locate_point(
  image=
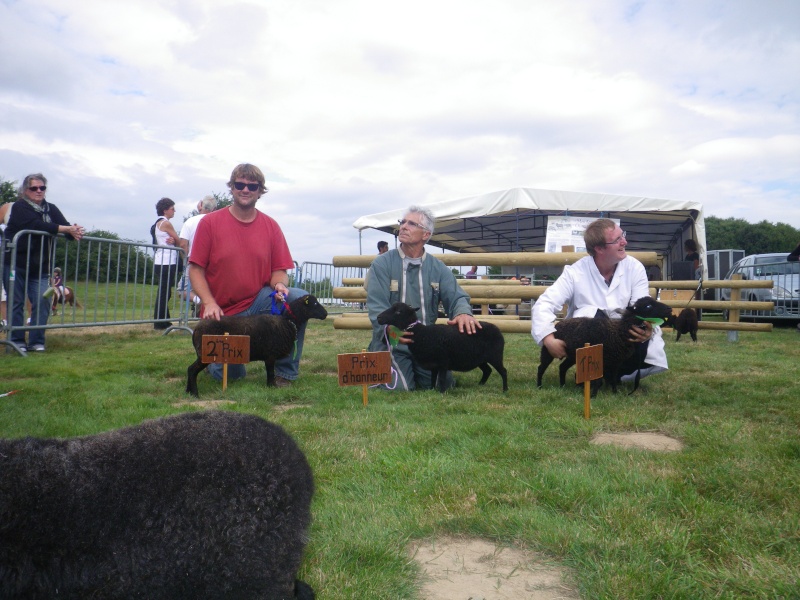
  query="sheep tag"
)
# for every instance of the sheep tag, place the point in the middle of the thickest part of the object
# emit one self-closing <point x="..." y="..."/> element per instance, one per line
<point x="229" y="349"/>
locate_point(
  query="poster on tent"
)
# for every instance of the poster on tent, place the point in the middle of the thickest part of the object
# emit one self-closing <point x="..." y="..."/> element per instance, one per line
<point x="567" y="231"/>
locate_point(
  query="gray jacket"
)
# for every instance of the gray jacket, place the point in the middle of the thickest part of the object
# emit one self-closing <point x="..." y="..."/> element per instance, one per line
<point x="422" y="286"/>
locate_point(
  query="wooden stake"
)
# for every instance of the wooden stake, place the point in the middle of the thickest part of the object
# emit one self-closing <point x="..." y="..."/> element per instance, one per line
<point x="587" y="395"/>
<point x="225" y="373"/>
<point x="364" y="388"/>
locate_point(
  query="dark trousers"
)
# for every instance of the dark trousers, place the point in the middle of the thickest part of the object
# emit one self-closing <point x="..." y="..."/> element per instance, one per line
<point x="166" y="276"/>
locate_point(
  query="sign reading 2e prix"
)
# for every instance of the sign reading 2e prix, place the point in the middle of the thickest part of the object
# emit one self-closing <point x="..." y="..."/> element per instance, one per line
<point x="230" y="349"/>
<point x="365" y="368"/>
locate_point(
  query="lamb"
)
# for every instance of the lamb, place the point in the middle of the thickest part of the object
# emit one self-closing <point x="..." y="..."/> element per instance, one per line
<point x="443" y="348"/>
<point x="686" y="322"/>
<point x="199" y="505"/>
<point x="271" y="336"/>
<point x="613" y="334"/>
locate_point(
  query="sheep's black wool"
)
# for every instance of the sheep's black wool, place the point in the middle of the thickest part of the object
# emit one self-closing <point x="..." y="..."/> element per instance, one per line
<point x="686" y="322"/>
<point x="271" y="336"/>
<point x="442" y="348"/>
<point x="200" y="505"/>
<point x="612" y="333"/>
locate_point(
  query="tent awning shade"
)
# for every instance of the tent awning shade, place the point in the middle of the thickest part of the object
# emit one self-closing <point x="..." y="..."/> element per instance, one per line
<point x="516" y="220"/>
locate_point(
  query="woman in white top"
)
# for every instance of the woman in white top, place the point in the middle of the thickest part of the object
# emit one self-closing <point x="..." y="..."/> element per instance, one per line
<point x="167" y="259"/>
<point x="5" y="209"/>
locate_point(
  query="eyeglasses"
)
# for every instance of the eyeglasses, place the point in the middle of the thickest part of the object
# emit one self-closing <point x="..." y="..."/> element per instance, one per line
<point x="617" y="240"/>
<point x="253" y="187"/>
<point x="412" y="224"/>
<point x="39" y="188"/>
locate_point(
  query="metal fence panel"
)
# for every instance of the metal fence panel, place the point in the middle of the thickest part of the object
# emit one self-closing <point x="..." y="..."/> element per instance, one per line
<point x="113" y="282"/>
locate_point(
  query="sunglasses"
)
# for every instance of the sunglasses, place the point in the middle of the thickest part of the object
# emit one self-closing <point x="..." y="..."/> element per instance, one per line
<point x="413" y="224"/>
<point x="35" y="188"/>
<point x="253" y="187"/>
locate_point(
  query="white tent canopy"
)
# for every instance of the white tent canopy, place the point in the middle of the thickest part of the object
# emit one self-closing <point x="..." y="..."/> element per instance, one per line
<point x="515" y="220"/>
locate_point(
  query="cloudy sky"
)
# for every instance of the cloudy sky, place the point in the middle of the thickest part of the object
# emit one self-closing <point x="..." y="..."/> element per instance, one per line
<point x="352" y="107"/>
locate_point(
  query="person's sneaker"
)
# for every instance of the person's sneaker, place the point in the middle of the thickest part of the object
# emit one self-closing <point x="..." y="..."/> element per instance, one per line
<point x="282" y="382"/>
<point x="37" y="348"/>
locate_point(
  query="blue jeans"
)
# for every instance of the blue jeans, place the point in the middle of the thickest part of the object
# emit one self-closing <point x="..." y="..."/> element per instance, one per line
<point x="289" y="367"/>
<point x="33" y="286"/>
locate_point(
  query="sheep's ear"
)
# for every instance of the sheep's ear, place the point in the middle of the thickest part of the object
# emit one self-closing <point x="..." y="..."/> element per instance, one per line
<point x="415" y="309"/>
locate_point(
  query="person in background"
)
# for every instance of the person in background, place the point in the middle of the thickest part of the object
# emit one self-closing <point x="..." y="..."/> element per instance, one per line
<point x="4" y="214"/>
<point x="794" y="256"/>
<point x="238" y="265"/>
<point x="383" y="247"/>
<point x="408" y="274"/>
<point x="472" y="273"/>
<point x="166" y="260"/>
<point x="205" y="206"/>
<point x="57" y="287"/>
<point x="608" y="280"/>
<point x="693" y="256"/>
<point x="32" y="272"/>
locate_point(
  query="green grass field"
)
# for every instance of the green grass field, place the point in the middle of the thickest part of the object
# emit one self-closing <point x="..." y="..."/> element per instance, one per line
<point x="719" y="519"/>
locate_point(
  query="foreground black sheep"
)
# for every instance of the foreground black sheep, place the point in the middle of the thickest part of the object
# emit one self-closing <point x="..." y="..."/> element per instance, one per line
<point x="271" y="336"/>
<point x="199" y="505"/>
<point x="612" y="333"/>
<point x="686" y="322"/>
<point x="443" y="348"/>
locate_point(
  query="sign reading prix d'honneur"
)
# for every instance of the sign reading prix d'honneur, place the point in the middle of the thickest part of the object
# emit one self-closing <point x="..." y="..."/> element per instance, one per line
<point x="567" y="231"/>
<point x="365" y="368"/>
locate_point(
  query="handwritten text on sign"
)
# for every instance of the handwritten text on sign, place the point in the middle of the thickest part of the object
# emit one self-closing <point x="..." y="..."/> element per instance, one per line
<point x="588" y="363"/>
<point x="365" y="368"/>
<point x="231" y="349"/>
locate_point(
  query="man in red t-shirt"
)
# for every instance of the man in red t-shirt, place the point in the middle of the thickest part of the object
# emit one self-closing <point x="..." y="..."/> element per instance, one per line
<point x="239" y="257"/>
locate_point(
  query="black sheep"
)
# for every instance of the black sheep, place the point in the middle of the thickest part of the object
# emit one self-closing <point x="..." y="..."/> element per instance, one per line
<point x="199" y="505"/>
<point x="442" y="348"/>
<point x="612" y="333"/>
<point x="271" y="336"/>
<point x="686" y="322"/>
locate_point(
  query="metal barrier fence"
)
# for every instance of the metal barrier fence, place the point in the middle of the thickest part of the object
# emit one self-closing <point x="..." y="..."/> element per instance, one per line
<point x="115" y="282"/>
<point x="112" y="282"/>
<point x="320" y="279"/>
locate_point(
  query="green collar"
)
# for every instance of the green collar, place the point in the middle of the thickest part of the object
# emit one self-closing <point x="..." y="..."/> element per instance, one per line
<point x="653" y="320"/>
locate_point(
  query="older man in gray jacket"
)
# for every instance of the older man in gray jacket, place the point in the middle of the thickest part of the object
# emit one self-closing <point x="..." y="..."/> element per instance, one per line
<point x="410" y="275"/>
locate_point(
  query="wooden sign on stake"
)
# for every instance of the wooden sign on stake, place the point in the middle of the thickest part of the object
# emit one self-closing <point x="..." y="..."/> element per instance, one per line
<point x="588" y="366"/>
<point x="225" y="349"/>
<point x="365" y="369"/>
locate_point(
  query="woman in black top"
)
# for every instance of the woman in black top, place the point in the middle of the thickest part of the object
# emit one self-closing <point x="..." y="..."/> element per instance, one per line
<point x="32" y="267"/>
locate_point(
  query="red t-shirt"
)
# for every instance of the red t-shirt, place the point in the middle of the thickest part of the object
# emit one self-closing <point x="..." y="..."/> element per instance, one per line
<point x="239" y="258"/>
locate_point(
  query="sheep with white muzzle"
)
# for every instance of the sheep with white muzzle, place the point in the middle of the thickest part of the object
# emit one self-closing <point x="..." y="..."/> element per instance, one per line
<point x="271" y="336"/>
<point x="199" y="505"/>
<point x="442" y="348"/>
<point x="613" y="334"/>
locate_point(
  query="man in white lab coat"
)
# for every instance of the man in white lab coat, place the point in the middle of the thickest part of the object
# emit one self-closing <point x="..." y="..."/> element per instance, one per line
<point x="608" y="279"/>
